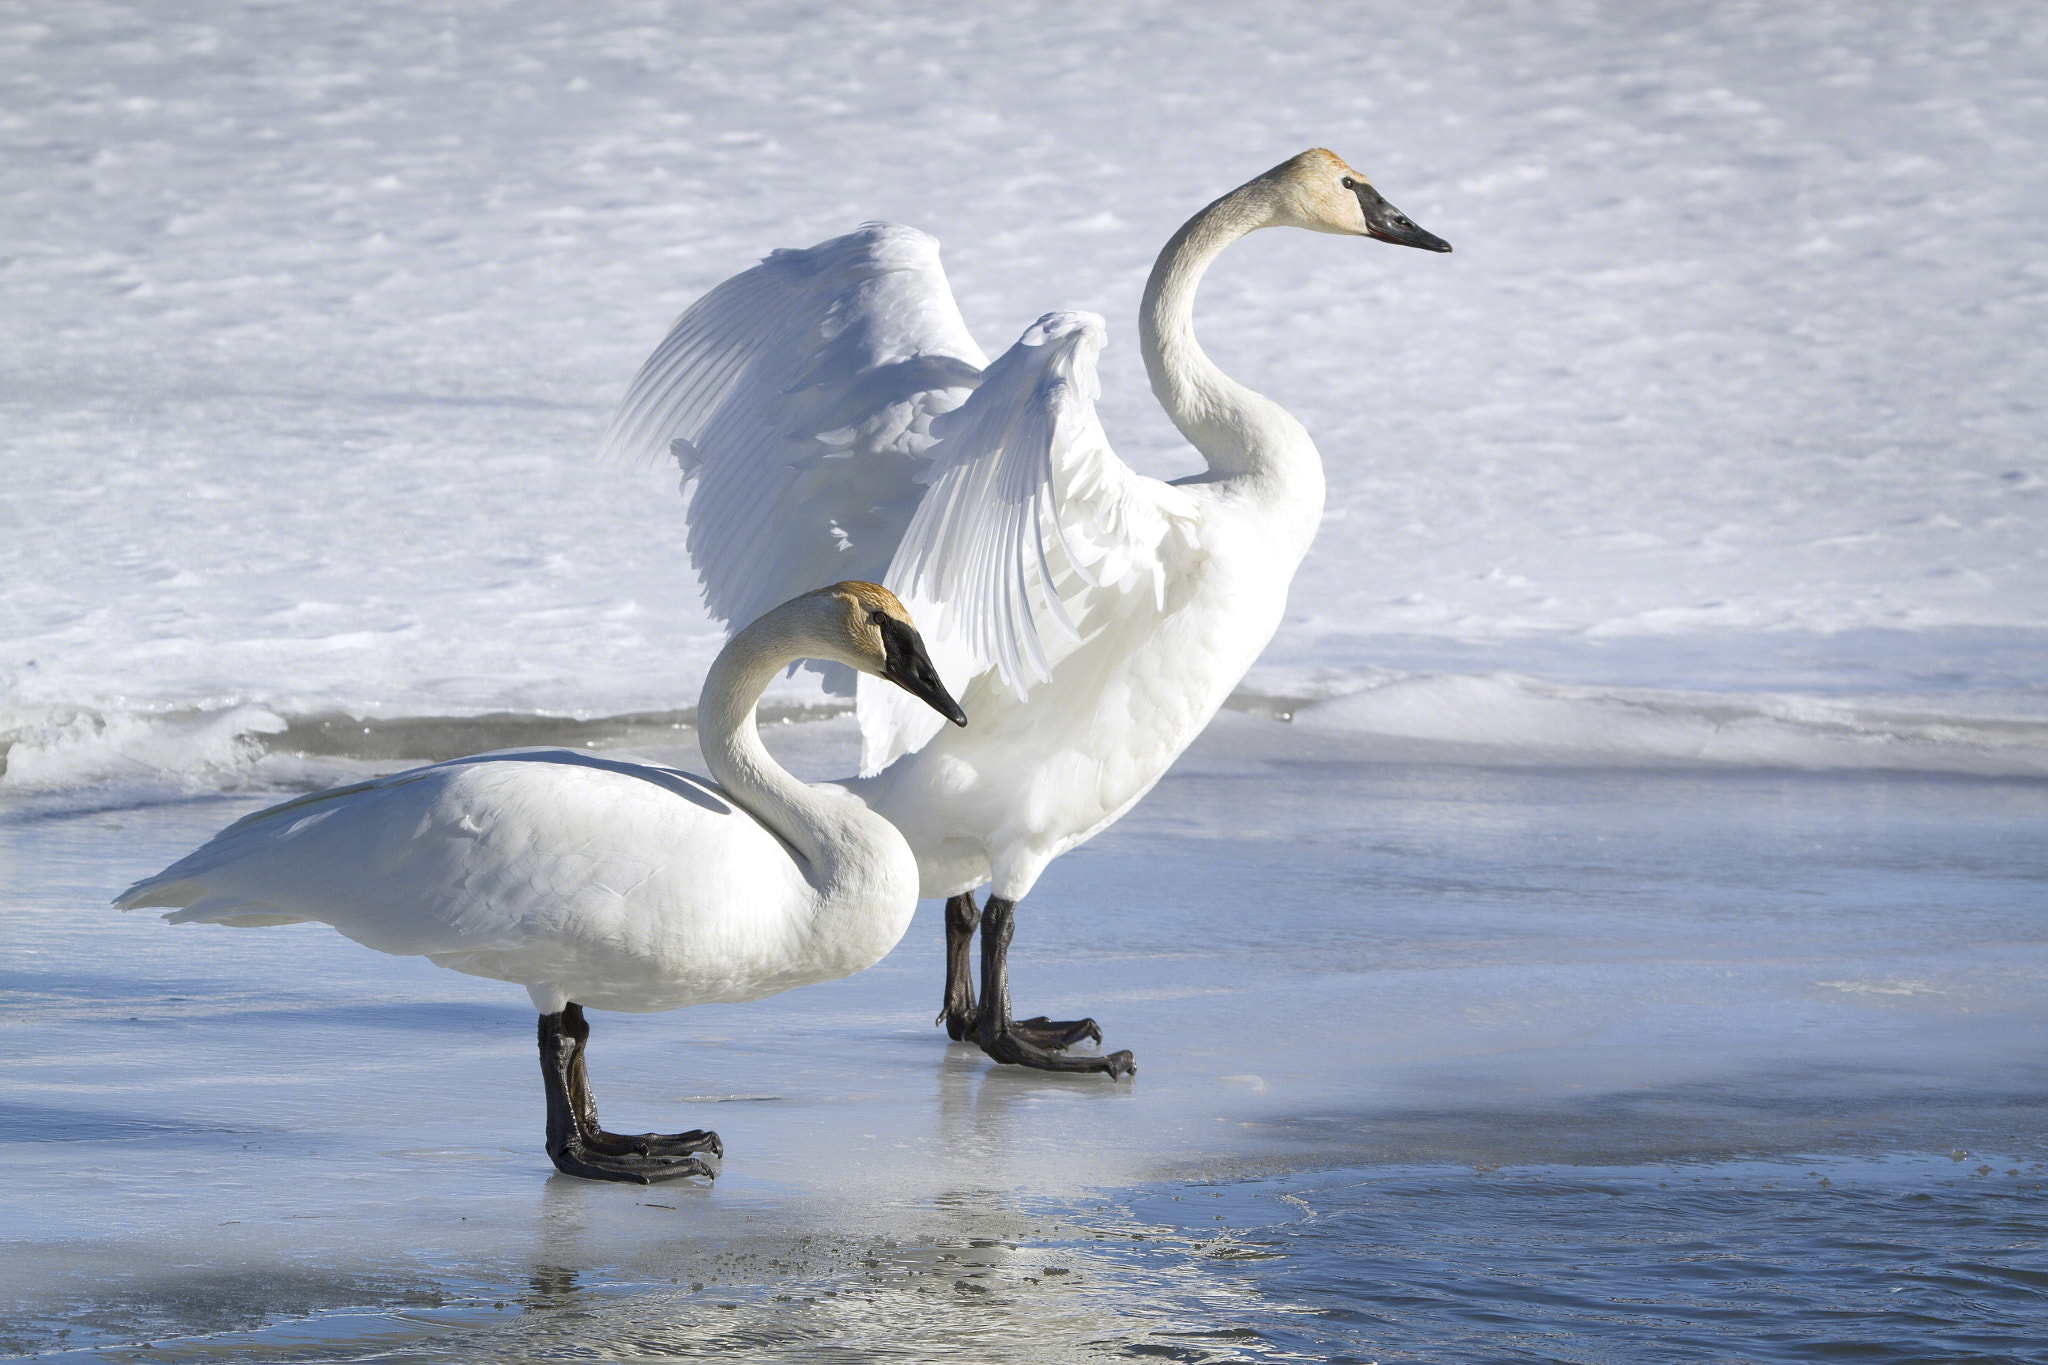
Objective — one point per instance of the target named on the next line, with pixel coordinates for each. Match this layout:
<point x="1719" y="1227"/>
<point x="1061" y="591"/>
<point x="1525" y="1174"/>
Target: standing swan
<point x="837" y="418"/>
<point x="594" y="881"/>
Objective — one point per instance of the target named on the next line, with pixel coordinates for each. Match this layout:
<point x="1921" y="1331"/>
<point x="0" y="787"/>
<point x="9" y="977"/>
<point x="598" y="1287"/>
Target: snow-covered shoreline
<point x="314" y="319"/>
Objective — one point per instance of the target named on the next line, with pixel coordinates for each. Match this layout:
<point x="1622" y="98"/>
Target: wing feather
<point x="1029" y="524"/>
<point x="833" y="419"/>
<point x="797" y="399"/>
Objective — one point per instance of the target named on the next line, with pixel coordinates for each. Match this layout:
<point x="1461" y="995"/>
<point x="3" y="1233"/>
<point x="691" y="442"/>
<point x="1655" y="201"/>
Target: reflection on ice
<point x="1917" y="1258"/>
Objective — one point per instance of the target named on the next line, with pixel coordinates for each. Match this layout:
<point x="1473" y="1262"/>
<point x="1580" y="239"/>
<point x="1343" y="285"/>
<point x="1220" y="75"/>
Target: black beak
<point x="1384" y="222"/>
<point x="910" y="668"/>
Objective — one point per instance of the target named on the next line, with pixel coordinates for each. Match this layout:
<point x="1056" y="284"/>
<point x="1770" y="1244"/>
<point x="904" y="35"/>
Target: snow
<point x="315" y="319"/>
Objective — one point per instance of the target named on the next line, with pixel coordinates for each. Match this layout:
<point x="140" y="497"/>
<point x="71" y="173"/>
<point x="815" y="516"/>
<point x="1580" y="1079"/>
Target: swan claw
<point x="959" y="1026"/>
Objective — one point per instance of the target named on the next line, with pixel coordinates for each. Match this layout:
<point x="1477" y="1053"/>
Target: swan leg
<point x="956" y="1011"/>
<point x="1036" y="1043"/>
<point x="579" y="1145"/>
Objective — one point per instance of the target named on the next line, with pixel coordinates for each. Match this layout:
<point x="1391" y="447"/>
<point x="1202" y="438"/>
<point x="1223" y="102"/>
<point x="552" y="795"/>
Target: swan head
<point x="874" y="634"/>
<point x="1317" y="191"/>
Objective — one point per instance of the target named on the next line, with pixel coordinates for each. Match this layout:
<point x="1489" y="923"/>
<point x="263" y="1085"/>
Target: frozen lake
<point x="1632" y="951"/>
<point x="1437" y="1061"/>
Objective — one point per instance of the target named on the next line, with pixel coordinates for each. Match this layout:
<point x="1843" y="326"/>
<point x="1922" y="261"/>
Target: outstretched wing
<point x="1030" y="534"/>
<point x="798" y="397"/>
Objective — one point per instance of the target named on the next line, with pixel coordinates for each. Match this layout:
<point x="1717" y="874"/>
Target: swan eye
<point x="878" y="616"/>
<point x="1349" y="183"/>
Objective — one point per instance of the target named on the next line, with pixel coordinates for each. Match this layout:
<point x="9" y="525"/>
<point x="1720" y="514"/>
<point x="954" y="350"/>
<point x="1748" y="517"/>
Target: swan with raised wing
<point x="600" y="882"/>
<point x="836" y="418"/>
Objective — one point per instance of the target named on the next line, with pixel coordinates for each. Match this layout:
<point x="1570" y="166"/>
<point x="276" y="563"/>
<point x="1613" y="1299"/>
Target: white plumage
<point x="836" y="418"/>
<point x="601" y="882"/>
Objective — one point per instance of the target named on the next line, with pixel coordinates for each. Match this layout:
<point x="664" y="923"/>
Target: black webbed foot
<point x="578" y="1144"/>
<point x="1005" y="1044"/>
<point x="636" y="1168"/>
<point x="696" y="1142"/>
<point x="1055" y="1035"/>
<point x="1039" y="1043"/>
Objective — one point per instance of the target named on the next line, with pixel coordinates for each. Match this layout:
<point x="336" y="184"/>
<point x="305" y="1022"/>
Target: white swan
<point x="598" y="882"/>
<point x="837" y="419"/>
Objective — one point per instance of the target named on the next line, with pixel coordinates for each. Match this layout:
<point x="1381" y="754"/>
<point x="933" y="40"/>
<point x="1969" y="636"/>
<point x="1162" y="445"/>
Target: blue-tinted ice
<point x="1452" y="1019"/>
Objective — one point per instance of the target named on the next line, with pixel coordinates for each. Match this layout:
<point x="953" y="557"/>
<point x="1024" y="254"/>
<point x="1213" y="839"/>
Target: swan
<point x="836" y="418"/>
<point x="599" y="882"/>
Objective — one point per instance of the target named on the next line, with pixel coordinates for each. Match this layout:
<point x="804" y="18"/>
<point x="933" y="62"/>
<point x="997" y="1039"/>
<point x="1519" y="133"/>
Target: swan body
<point x="619" y="885"/>
<point x="832" y="410"/>
<point x="601" y="882"/>
<point x="1119" y="705"/>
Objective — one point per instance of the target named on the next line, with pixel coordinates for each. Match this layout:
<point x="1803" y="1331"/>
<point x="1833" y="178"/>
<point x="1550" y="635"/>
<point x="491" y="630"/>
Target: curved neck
<point x="1240" y="433"/>
<point x="810" y="821"/>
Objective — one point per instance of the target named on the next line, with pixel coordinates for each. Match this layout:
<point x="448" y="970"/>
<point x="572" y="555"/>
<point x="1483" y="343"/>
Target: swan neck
<point x="1240" y="433"/>
<point x="729" y="731"/>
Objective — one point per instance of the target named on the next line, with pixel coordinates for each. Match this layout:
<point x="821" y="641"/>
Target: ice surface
<point x="1331" y="971"/>
<point x="1662" y="802"/>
